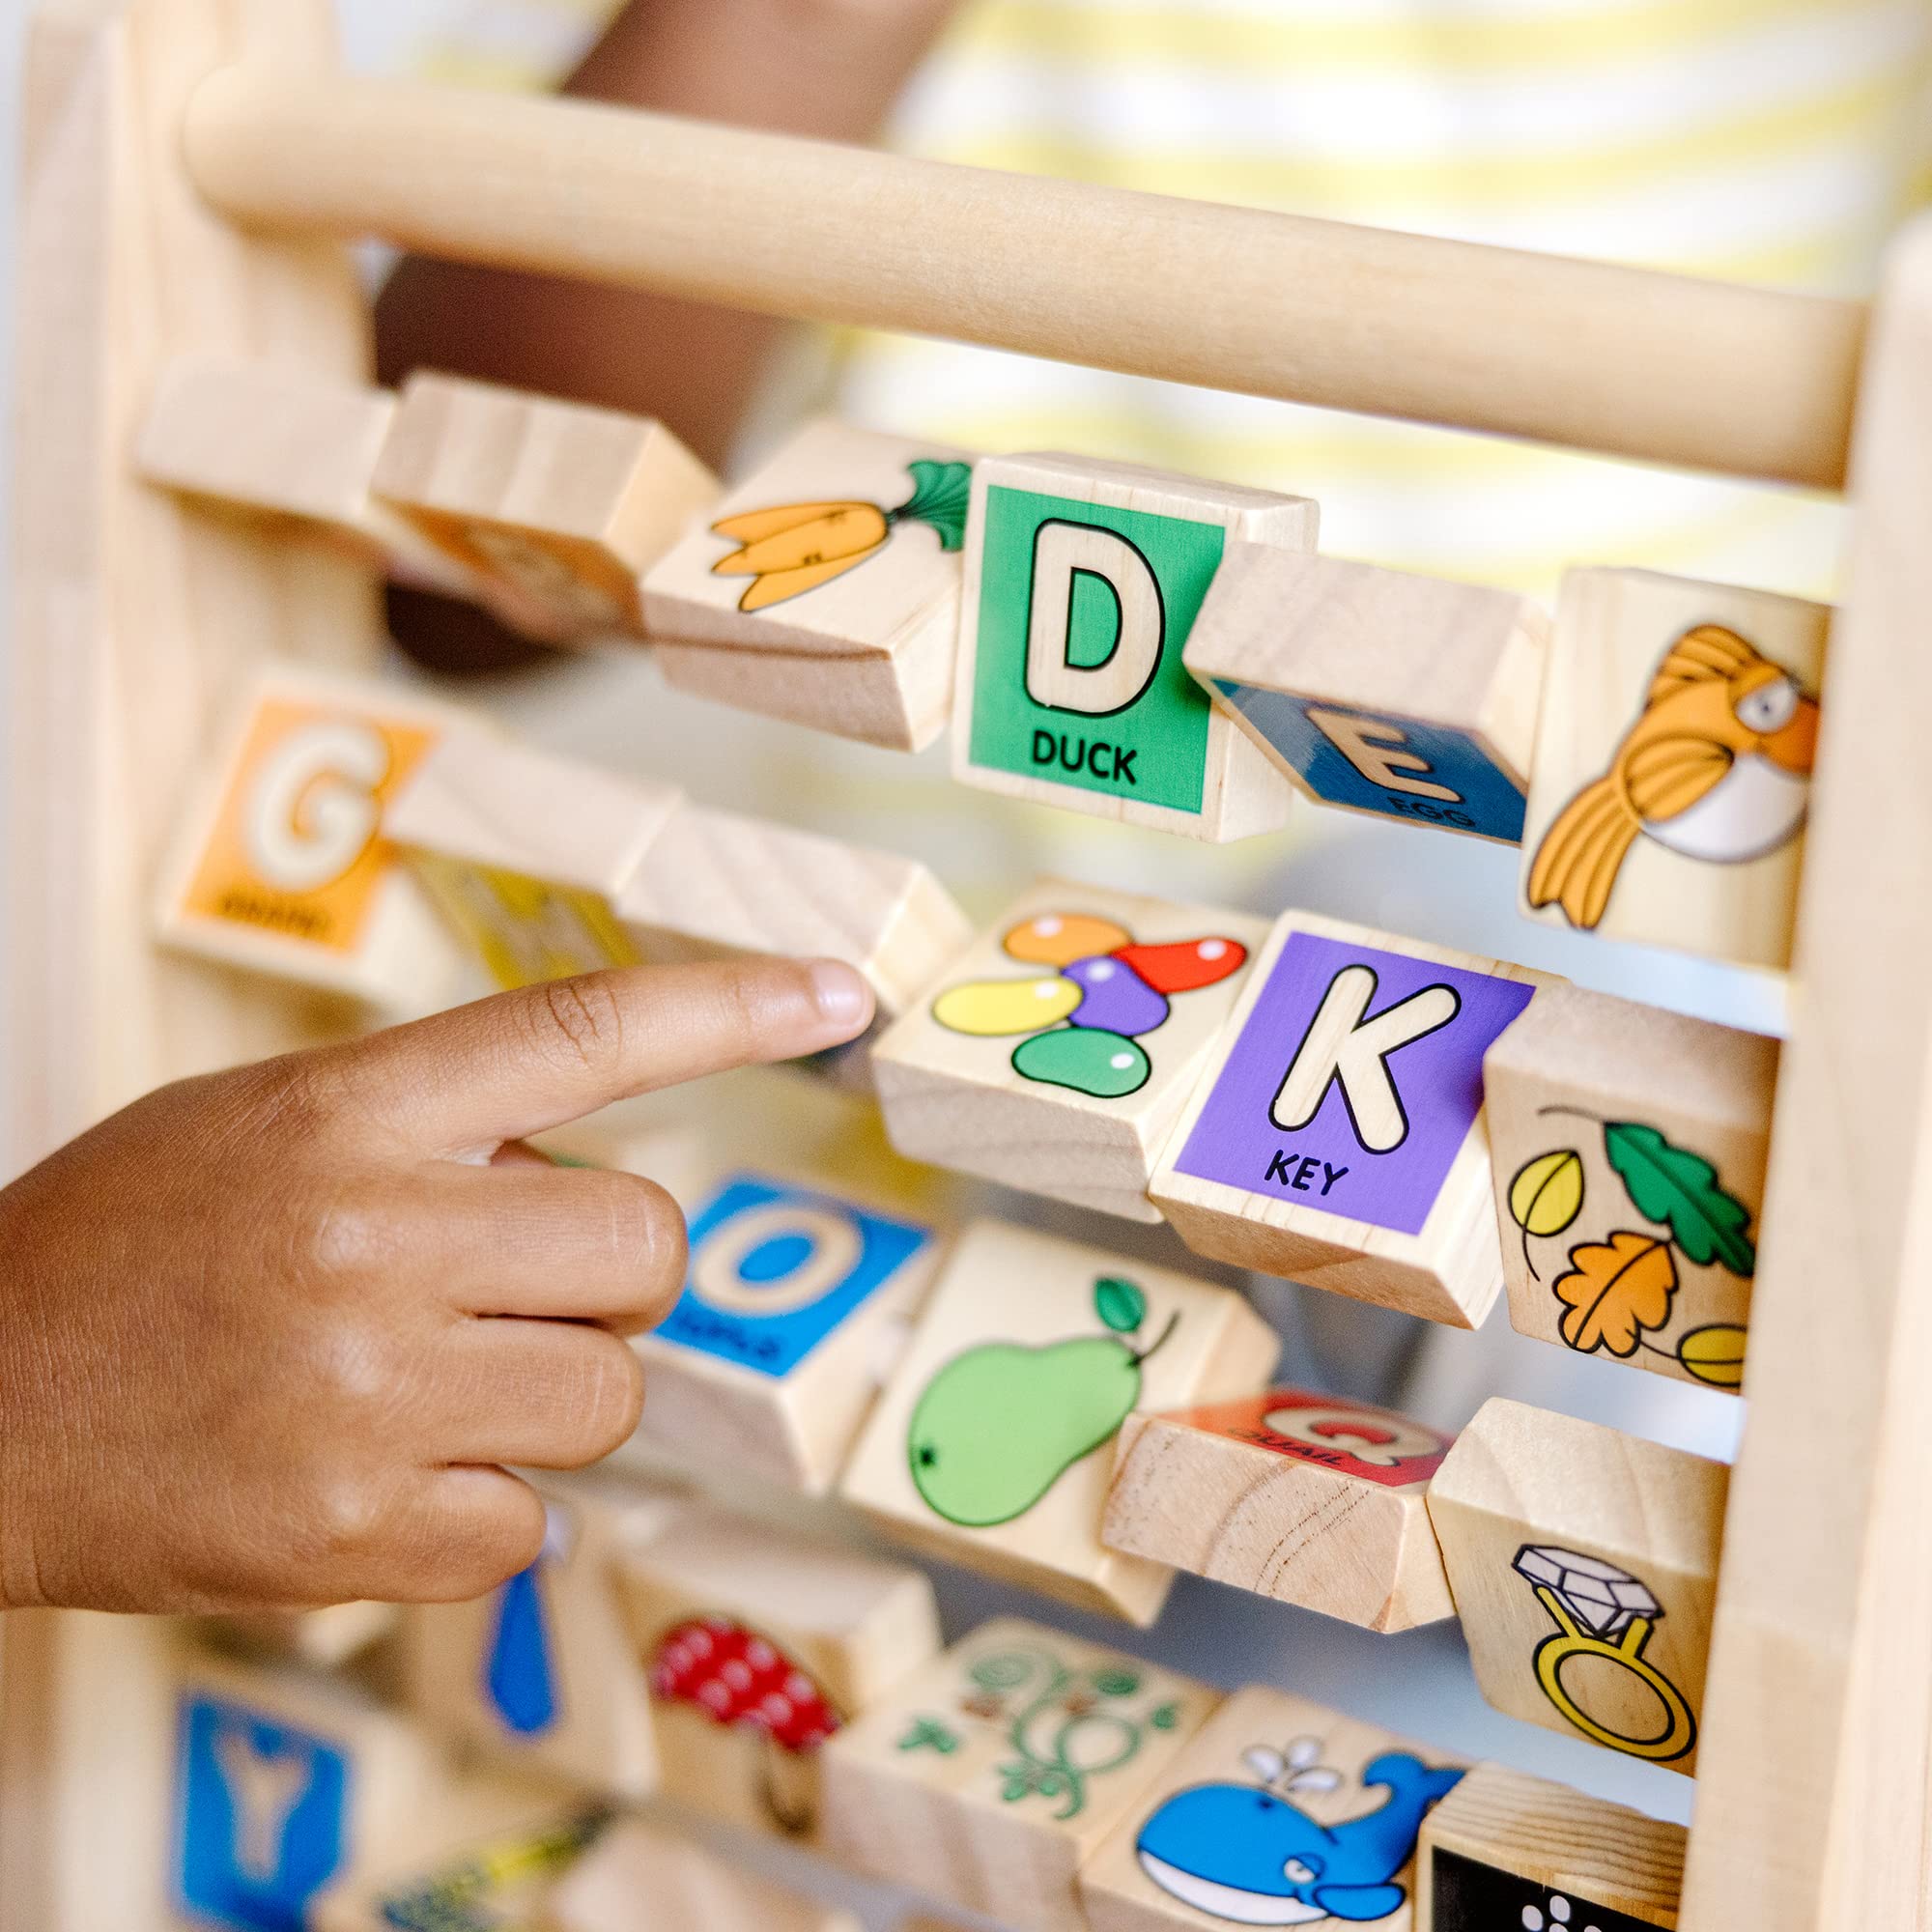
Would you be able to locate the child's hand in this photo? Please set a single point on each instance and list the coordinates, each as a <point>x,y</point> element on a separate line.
<point>267,1336</point>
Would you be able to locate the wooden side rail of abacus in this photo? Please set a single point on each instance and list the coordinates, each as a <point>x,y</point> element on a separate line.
<point>1666,368</point>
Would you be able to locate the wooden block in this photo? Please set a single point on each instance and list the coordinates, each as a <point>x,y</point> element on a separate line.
<point>1307,1499</point>
<point>993,1443</point>
<point>566,503</point>
<point>327,1639</point>
<point>714,884</point>
<point>1277,1813</point>
<point>293,449</point>
<point>759,1647</point>
<point>486,1864</point>
<point>525,852</point>
<point>1629,1149</point>
<point>286,1783</point>
<point>1338,1135</point>
<point>282,866</point>
<point>1506,1849</point>
<point>1056,1055</point>
<point>1410,696</point>
<point>827,588</point>
<point>991,1776</point>
<point>1083,580</point>
<point>641,1874</point>
<point>797,1301</point>
<point>1584,1567</point>
<point>1673,764</point>
<point>540,1674</point>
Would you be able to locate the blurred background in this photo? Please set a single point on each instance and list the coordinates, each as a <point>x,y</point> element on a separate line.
<point>1763,140</point>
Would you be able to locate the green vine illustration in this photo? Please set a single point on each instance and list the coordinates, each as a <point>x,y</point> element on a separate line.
<point>929,1734</point>
<point>1060,1725</point>
<point>1617,1291</point>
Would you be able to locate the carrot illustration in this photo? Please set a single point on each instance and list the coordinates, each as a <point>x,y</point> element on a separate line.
<point>797,546</point>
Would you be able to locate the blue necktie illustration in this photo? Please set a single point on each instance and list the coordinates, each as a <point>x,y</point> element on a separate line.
<point>520,1677</point>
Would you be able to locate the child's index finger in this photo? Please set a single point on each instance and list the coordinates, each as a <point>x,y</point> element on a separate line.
<point>461,1083</point>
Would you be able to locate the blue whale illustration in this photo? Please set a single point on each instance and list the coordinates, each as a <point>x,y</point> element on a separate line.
<point>1238,1852</point>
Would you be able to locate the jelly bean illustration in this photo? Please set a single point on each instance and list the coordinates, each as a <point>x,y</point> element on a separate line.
<point>1090,1060</point>
<point>1118,999</point>
<point>989,1007</point>
<point>1184,965</point>
<point>1060,938</point>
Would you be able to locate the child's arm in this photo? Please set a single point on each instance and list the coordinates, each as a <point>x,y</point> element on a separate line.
<point>267,1336</point>
<point>829,69</point>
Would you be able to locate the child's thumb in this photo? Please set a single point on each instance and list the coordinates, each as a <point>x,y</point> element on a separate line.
<point>461,1083</point>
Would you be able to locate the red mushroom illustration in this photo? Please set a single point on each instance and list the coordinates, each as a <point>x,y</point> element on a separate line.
<point>742,1681</point>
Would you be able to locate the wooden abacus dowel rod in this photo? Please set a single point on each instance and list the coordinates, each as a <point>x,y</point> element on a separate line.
<point>1660,367</point>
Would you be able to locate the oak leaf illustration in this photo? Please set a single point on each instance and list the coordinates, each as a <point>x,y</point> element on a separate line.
<point>1615,1291</point>
<point>1681,1189</point>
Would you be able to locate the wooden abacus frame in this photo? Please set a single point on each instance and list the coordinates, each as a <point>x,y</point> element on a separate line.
<point>192,168</point>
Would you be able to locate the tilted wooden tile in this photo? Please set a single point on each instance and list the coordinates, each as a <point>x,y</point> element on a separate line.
<point>541,1674</point>
<point>277,442</point>
<point>798,1297</point>
<point>826,590</point>
<point>759,1647</point>
<point>280,864</point>
<point>1278,1812</point>
<point>993,1443</point>
<point>1584,1567</point>
<point>287,1783</point>
<point>640,1873</point>
<point>1311,1499</point>
<point>1507,1850</point>
<point>714,884</point>
<point>1410,696</point>
<point>566,504</point>
<point>1674,763</point>
<point>1057,1054</point>
<point>1629,1149</point>
<point>1083,580</point>
<point>992,1776</point>
<point>483,1861</point>
<point>1338,1135</point>
<point>524,852</point>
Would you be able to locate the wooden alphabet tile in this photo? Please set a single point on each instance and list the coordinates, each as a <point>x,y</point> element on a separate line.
<point>797,1298</point>
<point>1584,1567</point>
<point>1410,696</point>
<point>993,1443</point>
<point>326,1638</point>
<point>714,884</point>
<point>282,868</point>
<point>483,1861</point>
<point>1338,1134</point>
<point>989,1777</point>
<point>540,1674</point>
<point>524,852</point>
<point>1083,581</point>
<point>1307,1499</point>
<point>1629,1148</point>
<point>286,1783</point>
<point>277,442</point>
<point>565,504</point>
<point>1056,1055</point>
<point>826,590</point>
<point>1507,1850</point>
<point>1673,764</point>
<point>1278,1812</point>
<point>642,1874</point>
<point>759,1647</point>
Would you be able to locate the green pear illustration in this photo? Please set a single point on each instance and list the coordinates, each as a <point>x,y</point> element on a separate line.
<point>996,1427</point>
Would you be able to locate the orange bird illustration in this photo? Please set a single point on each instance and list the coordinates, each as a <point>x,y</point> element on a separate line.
<point>1717,766</point>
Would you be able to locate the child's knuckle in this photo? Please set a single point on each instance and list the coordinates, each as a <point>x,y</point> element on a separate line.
<point>647,1227</point>
<point>613,1398</point>
<point>579,1023</point>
